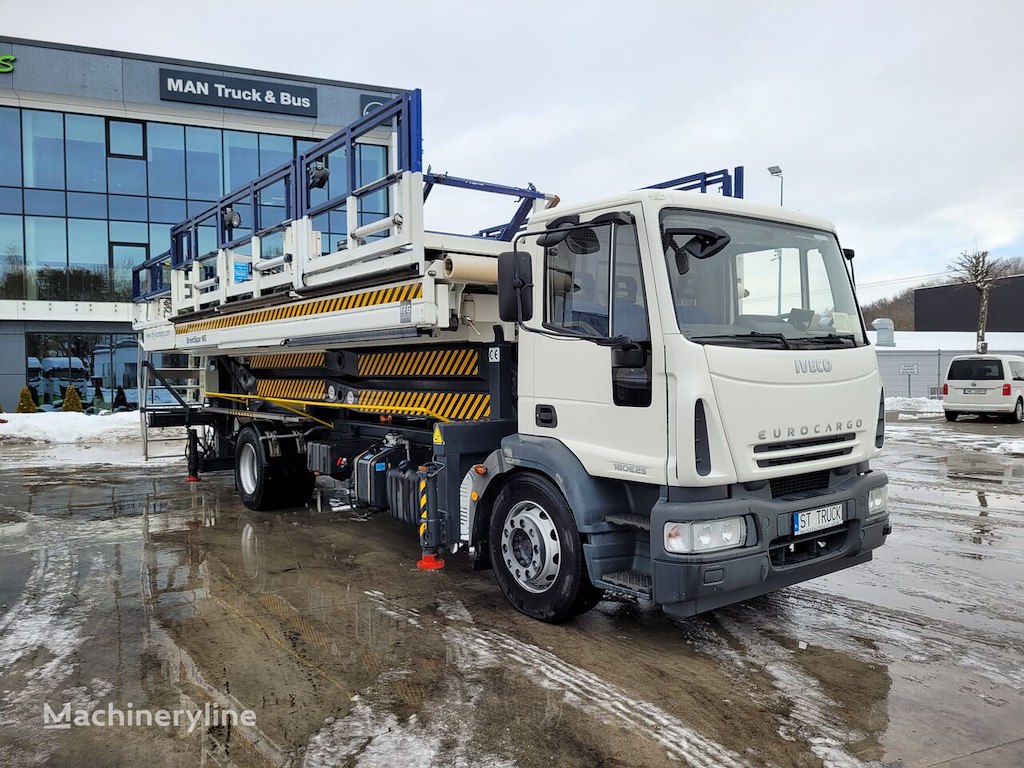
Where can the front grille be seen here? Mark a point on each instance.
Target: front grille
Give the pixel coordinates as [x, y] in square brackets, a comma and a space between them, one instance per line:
[828, 443]
[763, 463]
[796, 485]
[810, 442]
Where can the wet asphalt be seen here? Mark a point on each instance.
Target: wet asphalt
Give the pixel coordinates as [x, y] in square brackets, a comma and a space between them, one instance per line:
[122, 584]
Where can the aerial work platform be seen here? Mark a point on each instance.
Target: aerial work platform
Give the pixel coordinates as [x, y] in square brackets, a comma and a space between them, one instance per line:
[331, 248]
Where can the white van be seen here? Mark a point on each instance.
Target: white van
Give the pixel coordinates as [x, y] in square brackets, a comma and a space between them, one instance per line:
[984, 384]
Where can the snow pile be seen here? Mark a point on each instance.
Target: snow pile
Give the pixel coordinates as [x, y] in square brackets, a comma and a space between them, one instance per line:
[60, 427]
[913, 404]
[918, 416]
[1011, 448]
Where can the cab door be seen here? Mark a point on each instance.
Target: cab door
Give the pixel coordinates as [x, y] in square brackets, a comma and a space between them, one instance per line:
[603, 397]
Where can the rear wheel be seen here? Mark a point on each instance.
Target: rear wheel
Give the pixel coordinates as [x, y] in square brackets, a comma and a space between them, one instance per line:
[264, 482]
[536, 551]
[253, 472]
[951, 415]
[1018, 412]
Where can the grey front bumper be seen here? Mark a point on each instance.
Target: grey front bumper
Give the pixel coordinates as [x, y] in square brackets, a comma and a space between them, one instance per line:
[688, 584]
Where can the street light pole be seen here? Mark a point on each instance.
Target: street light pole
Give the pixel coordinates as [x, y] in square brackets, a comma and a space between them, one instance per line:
[775, 170]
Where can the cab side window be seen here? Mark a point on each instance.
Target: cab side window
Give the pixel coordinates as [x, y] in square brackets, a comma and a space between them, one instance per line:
[593, 283]
[576, 280]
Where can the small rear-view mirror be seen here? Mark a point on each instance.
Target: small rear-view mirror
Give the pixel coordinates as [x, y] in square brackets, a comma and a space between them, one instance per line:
[515, 287]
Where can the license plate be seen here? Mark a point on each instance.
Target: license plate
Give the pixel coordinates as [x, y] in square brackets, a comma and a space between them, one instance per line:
[817, 519]
[974, 391]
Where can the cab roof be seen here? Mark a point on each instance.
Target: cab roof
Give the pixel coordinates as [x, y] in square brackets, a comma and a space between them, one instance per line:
[694, 201]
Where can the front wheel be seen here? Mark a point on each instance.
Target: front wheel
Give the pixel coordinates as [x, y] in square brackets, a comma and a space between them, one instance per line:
[536, 551]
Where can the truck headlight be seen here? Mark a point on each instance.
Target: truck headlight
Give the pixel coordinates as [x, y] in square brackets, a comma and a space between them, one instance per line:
[878, 500]
[705, 535]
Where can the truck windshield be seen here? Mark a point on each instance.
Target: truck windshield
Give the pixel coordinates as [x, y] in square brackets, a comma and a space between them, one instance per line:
[772, 285]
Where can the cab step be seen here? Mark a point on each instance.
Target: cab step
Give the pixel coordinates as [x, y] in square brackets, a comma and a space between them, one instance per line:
[632, 581]
[630, 519]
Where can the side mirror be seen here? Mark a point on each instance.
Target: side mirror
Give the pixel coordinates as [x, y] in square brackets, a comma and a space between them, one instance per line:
[515, 287]
[848, 253]
[699, 244]
[628, 356]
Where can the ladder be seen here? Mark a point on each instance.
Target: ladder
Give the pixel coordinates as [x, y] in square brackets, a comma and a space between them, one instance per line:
[167, 398]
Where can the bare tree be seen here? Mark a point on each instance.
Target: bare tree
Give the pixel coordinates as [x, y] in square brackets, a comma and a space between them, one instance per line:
[975, 268]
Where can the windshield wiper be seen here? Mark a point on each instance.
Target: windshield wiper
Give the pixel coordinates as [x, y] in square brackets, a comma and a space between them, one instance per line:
[846, 339]
[743, 338]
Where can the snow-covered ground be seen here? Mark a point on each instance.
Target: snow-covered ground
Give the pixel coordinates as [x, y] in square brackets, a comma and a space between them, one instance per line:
[73, 439]
[913, 405]
[60, 427]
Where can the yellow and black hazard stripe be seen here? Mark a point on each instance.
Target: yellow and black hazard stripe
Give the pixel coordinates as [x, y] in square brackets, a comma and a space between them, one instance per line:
[452, 406]
[434, 362]
[292, 389]
[291, 360]
[389, 295]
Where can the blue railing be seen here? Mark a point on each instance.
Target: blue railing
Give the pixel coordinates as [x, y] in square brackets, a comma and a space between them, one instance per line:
[319, 183]
[731, 182]
[150, 278]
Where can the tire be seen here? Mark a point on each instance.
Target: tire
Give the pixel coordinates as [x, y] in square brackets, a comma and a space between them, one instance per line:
[253, 473]
[549, 583]
[1018, 413]
[587, 598]
[266, 483]
[297, 482]
[951, 415]
[296, 488]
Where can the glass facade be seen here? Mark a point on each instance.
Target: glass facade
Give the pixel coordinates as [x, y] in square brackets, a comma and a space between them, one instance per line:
[83, 198]
[103, 368]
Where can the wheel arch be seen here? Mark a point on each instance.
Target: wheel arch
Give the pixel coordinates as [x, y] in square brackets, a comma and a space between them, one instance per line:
[589, 498]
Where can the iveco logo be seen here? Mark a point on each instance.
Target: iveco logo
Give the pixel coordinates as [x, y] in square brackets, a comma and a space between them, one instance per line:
[812, 366]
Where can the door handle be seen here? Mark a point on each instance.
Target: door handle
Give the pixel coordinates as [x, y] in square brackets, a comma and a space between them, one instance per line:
[545, 416]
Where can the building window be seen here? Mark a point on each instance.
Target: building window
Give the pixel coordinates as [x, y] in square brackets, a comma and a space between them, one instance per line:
[44, 202]
[10, 200]
[166, 151]
[89, 260]
[127, 176]
[43, 149]
[128, 208]
[46, 258]
[86, 153]
[125, 139]
[12, 258]
[275, 151]
[10, 140]
[166, 211]
[241, 158]
[203, 163]
[87, 206]
[124, 256]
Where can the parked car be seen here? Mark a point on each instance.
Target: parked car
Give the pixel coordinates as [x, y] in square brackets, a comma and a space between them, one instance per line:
[984, 385]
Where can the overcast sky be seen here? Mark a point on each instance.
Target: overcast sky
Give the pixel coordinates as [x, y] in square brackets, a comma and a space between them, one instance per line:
[902, 122]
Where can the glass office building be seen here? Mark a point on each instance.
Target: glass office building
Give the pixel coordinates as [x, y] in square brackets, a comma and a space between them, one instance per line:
[100, 152]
